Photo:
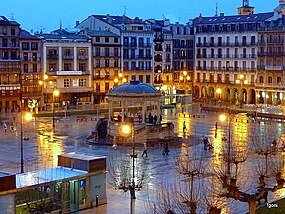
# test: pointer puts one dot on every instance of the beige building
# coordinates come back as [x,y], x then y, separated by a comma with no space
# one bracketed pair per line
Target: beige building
[10,85]
[67,60]
[30,54]
[106,62]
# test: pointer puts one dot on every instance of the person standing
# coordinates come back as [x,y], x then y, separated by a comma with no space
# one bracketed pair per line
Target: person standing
[5,127]
[144,150]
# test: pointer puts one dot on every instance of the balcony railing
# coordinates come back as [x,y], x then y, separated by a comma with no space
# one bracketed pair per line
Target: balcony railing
[226,44]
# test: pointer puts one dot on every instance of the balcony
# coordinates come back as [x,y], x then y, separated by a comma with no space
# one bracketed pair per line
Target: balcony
[52,57]
[10,58]
[82,57]
[270,85]
[68,57]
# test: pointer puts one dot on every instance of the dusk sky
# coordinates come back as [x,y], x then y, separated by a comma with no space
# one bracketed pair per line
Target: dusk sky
[46,14]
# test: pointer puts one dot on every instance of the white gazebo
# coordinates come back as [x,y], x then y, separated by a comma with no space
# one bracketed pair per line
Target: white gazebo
[133,102]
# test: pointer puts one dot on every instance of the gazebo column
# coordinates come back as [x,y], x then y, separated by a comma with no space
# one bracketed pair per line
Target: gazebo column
[143,111]
[158,112]
[110,110]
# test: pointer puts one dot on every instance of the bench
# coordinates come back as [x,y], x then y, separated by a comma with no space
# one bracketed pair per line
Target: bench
[81,118]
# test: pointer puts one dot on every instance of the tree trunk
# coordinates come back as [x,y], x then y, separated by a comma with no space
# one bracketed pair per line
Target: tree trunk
[252,206]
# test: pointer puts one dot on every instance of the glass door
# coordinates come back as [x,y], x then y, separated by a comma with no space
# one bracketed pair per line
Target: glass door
[74,193]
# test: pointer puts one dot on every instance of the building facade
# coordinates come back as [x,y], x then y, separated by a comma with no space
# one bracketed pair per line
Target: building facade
[106,57]
[67,61]
[31,73]
[10,85]
[226,56]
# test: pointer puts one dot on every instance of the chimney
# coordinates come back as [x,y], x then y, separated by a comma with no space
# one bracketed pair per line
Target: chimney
[109,19]
[77,23]
[222,14]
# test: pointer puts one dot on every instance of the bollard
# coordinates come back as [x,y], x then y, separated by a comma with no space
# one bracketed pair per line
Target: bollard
[97,200]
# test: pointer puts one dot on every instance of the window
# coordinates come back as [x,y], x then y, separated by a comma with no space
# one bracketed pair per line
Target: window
[261,79]
[116,40]
[35,68]
[269,79]
[82,82]
[107,87]
[82,52]
[97,39]
[66,83]
[67,66]
[116,63]
[35,57]
[107,52]
[97,51]
[26,68]
[13,32]
[147,78]
[52,67]
[98,63]
[106,39]
[141,78]
[82,66]
[278,80]
[107,63]
[116,51]
[25,46]
[133,77]
[4,31]
[5,42]
[97,87]
[34,46]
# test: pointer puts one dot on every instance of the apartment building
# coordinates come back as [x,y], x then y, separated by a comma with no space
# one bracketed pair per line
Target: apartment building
[30,55]
[183,56]
[67,61]
[106,70]
[163,46]
[226,55]
[270,87]
[136,39]
[10,85]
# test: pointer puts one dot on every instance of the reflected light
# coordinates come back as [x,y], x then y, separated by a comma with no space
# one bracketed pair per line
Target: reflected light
[56,92]
[28,116]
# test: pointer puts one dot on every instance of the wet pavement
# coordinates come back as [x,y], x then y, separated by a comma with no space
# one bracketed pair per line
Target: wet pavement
[41,150]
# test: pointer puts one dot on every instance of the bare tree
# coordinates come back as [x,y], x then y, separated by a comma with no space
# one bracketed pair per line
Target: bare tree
[121,171]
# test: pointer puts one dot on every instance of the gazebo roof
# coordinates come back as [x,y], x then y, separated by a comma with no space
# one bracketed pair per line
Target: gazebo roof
[133,91]
[134,86]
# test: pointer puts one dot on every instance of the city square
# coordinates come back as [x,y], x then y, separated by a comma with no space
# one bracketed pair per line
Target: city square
[125,113]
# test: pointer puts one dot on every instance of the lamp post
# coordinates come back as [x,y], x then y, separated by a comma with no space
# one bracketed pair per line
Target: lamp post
[241,80]
[128,130]
[27,116]
[219,92]
[222,118]
[55,93]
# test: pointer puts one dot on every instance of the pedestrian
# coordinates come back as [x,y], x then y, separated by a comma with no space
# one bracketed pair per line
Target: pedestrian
[166,150]
[154,119]
[5,127]
[12,127]
[216,126]
[160,118]
[151,119]
[184,127]
[144,150]
[205,143]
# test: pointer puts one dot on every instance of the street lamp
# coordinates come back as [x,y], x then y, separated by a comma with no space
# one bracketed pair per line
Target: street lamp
[241,80]
[219,92]
[55,93]
[28,117]
[125,131]
[223,118]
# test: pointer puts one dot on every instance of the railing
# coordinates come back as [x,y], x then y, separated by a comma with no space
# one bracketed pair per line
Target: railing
[225,69]
[226,56]
[226,44]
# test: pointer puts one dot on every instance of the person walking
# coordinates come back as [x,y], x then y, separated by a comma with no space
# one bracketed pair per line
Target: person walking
[5,127]
[144,150]
[166,150]
[205,143]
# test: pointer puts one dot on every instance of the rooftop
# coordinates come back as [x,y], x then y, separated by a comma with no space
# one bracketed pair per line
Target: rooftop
[233,19]
[134,86]
[45,176]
